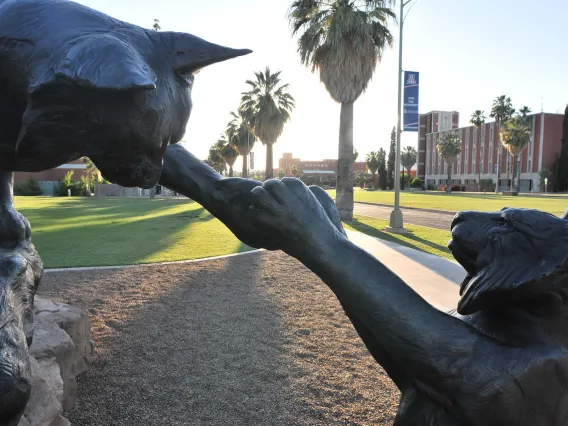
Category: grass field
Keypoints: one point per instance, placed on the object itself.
(422, 238)
(70, 232)
(455, 202)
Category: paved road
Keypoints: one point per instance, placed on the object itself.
(411, 216)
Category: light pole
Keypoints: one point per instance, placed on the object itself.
(396, 220)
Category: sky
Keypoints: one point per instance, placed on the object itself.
(467, 53)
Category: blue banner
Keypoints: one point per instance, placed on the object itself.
(410, 116)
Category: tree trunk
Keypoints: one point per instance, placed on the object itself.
(512, 174)
(449, 182)
(153, 192)
(498, 154)
(245, 166)
(408, 178)
(344, 195)
(269, 172)
(231, 171)
(478, 163)
(516, 173)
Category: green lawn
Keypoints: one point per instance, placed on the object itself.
(70, 232)
(430, 240)
(455, 202)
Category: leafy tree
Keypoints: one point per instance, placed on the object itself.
(343, 40)
(392, 159)
(382, 168)
(281, 173)
(449, 147)
(372, 163)
(267, 106)
(296, 172)
(478, 120)
(241, 137)
(355, 155)
(516, 134)
(156, 25)
(408, 159)
(502, 110)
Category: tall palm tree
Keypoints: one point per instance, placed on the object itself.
(477, 120)
(372, 163)
(343, 40)
(267, 105)
(241, 137)
(449, 147)
(502, 110)
(215, 158)
(516, 135)
(227, 151)
(407, 160)
(524, 114)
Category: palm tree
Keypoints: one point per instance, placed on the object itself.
(408, 160)
(516, 134)
(229, 155)
(372, 163)
(478, 120)
(267, 106)
(215, 158)
(343, 40)
(524, 114)
(241, 137)
(502, 110)
(449, 147)
(156, 25)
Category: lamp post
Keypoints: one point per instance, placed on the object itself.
(396, 220)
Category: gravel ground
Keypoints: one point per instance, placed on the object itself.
(251, 340)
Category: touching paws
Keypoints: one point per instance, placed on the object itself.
(294, 215)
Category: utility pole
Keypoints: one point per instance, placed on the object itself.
(396, 220)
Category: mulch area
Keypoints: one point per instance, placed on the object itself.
(250, 340)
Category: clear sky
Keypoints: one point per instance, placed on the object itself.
(467, 53)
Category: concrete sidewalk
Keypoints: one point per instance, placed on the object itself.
(436, 279)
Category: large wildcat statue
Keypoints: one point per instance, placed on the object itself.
(75, 82)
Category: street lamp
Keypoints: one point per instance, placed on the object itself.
(396, 221)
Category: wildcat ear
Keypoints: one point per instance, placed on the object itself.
(102, 61)
(191, 53)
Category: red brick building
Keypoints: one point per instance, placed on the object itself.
(480, 152)
(323, 171)
(48, 179)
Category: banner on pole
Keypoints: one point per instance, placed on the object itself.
(410, 105)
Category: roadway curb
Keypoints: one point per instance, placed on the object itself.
(408, 208)
(141, 265)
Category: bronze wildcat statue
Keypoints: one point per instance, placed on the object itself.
(75, 82)
(501, 359)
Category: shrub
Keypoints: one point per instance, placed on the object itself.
(81, 188)
(416, 183)
(463, 188)
(28, 188)
(455, 188)
(430, 187)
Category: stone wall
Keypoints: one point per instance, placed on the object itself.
(60, 351)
